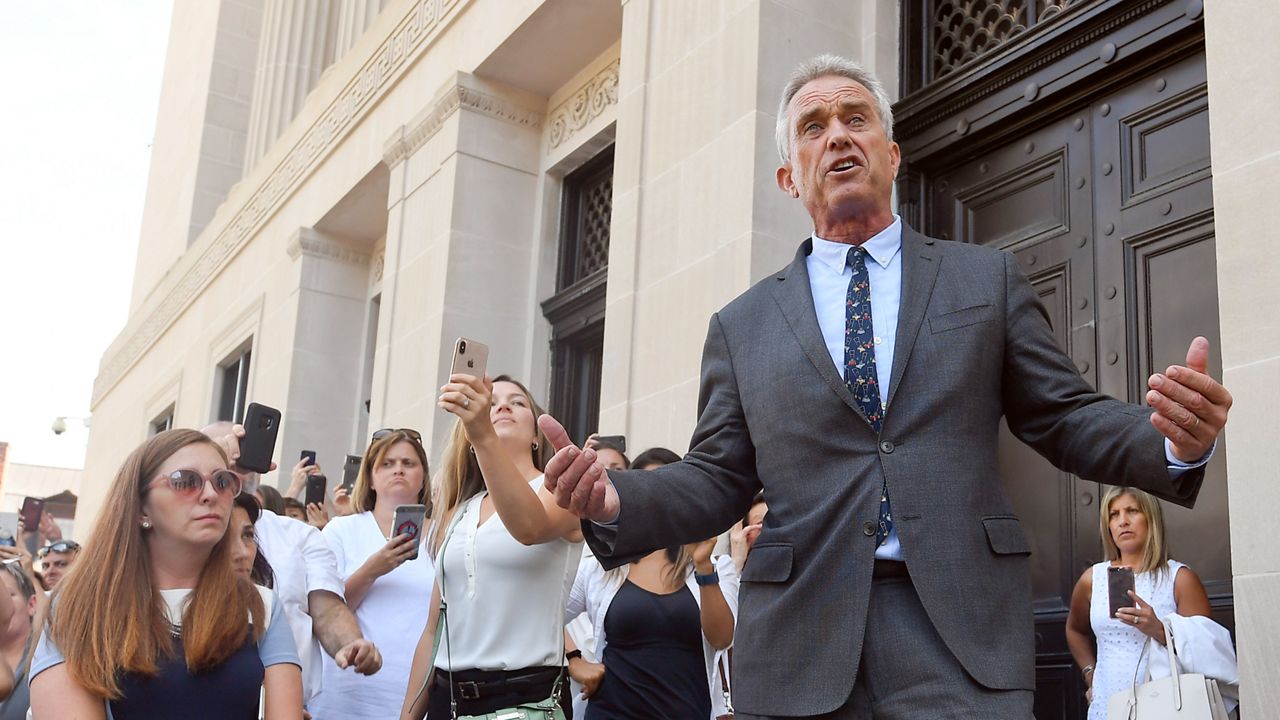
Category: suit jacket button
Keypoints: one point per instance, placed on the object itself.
(868, 529)
(886, 447)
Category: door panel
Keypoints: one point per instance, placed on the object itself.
(1109, 210)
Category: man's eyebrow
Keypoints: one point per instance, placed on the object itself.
(844, 105)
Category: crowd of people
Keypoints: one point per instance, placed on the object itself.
(873, 566)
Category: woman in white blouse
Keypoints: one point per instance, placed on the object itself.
(385, 588)
(508, 562)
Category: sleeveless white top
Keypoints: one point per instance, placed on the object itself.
(505, 600)
(1120, 644)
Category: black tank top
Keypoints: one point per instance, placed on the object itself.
(654, 666)
(227, 692)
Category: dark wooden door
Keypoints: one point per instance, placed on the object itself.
(1109, 211)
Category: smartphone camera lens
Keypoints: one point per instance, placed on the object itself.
(462, 347)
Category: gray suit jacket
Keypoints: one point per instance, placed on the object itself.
(973, 344)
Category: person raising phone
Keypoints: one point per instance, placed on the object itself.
(508, 564)
(384, 587)
(1133, 534)
(154, 622)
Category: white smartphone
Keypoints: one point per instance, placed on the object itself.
(470, 357)
(408, 520)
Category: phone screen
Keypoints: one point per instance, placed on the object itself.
(309, 456)
(408, 520)
(1119, 583)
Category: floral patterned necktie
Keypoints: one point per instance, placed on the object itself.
(860, 363)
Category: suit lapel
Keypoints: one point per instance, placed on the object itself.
(795, 298)
(921, 258)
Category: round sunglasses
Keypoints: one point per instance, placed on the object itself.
(189, 483)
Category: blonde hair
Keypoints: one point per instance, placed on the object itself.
(363, 496)
(1155, 556)
(459, 478)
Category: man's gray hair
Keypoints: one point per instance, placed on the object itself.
(824, 66)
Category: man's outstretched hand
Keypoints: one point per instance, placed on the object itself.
(579, 483)
(1190, 407)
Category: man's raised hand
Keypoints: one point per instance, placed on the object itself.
(1190, 407)
(579, 483)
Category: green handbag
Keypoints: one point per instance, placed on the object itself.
(548, 709)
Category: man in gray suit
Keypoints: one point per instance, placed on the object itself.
(862, 387)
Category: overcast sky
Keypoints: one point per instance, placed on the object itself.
(82, 84)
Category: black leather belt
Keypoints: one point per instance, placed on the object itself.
(486, 683)
(886, 569)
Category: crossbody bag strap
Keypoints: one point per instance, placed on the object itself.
(440, 618)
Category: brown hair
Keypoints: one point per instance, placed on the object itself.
(1155, 556)
(110, 619)
(460, 478)
(363, 496)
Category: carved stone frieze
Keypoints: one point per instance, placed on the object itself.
(408, 139)
(585, 105)
(306, 241)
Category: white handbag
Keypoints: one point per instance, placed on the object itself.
(1181, 696)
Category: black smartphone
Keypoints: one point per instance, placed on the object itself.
(617, 442)
(261, 425)
(351, 470)
(1119, 583)
(408, 520)
(32, 509)
(309, 456)
(316, 486)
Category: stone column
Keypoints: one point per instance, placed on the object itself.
(353, 17)
(697, 216)
(295, 47)
(1244, 134)
(324, 404)
(460, 249)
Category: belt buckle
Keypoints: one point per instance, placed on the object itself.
(469, 690)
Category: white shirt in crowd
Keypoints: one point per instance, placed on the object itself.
(593, 592)
(392, 616)
(302, 563)
(506, 600)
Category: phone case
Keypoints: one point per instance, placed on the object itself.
(470, 357)
(309, 455)
(1119, 583)
(350, 471)
(32, 509)
(408, 520)
(316, 486)
(261, 425)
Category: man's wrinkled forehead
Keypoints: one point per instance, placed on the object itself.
(819, 95)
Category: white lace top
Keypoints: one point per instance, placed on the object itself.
(1120, 644)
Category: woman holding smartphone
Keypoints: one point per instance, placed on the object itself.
(154, 622)
(386, 586)
(508, 564)
(1132, 527)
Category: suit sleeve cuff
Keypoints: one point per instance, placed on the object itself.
(1177, 467)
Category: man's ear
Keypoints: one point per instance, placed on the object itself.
(785, 183)
(895, 155)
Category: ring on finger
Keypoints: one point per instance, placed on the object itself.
(1196, 421)
(466, 402)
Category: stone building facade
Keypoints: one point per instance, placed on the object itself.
(340, 188)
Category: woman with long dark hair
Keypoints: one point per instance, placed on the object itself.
(153, 621)
(508, 562)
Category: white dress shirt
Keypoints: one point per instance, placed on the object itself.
(302, 563)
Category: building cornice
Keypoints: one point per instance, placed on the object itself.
(310, 242)
(586, 104)
(457, 95)
(222, 240)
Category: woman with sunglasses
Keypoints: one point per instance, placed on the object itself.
(508, 564)
(384, 587)
(154, 622)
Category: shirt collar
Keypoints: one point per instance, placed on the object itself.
(881, 247)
